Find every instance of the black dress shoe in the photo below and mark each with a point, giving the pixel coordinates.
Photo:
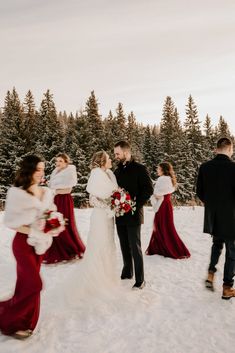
(126, 277)
(139, 285)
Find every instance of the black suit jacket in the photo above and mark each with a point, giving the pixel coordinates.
(216, 189)
(135, 179)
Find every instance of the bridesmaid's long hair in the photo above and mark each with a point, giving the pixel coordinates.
(98, 159)
(168, 170)
(28, 167)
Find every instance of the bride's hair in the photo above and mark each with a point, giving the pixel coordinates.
(98, 160)
(168, 170)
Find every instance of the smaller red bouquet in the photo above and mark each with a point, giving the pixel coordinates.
(121, 203)
(42, 231)
(51, 222)
(54, 220)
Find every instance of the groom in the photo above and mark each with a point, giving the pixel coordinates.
(134, 178)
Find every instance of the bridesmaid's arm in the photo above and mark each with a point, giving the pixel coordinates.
(23, 229)
(157, 197)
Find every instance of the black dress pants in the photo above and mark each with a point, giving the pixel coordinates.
(130, 242)
(229, 265)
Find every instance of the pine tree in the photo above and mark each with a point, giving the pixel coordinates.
(82, 131)
(209, 138)
(134, 136)
(223, 129)
(109, 133)
(194, 139)
(79, 191)
(29, 121)
(77, 155)
(167, 127)
(94, 130)
(12, 142)
(170, 133)
(70, 137)
(155, 151)
(192, 124)
(147, 146)
(120, 124)
(62, 117)
(185, 173)
(49, 131)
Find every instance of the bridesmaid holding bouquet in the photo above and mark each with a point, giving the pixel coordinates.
(26, 204)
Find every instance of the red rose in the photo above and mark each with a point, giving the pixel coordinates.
(128, 197)
(116, 195)
(51, 224)
(126, 207)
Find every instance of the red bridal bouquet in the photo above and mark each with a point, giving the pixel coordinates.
(121, 203)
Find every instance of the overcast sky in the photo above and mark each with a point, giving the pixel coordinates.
(131, 51)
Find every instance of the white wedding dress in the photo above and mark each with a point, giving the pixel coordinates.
(92, 294)
(96, 274)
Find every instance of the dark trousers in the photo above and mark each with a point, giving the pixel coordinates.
(229, 266)
(130, 243)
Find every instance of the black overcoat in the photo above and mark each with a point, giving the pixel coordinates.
(135, 179)
(216, 189)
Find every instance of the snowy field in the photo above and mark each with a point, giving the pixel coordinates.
(172, 314)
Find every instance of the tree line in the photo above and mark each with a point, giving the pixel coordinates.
(25, 130)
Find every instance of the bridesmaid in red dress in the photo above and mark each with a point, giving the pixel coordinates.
(25, 203)
(68, 245)
(165, 240)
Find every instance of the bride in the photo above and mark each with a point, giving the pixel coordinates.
(101, 254)
(96, 273)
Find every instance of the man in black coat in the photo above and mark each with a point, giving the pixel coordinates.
(216, 189)
(134, 178)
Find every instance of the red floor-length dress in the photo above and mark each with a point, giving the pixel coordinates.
(68, 244)
(165, 240)
(21, 312)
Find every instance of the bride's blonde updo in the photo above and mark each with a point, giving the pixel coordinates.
(98, 160)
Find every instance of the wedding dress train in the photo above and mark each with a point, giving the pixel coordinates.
(96, 274)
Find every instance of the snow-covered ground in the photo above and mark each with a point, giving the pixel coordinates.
(174, 313)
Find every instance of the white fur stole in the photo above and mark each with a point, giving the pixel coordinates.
(63, 179)
(101, 183)
(163, 186)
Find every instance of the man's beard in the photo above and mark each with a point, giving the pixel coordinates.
(121, 160)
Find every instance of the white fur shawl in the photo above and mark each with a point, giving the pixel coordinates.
(63, 179)
(23, 208)
(163, 186)
(101, 183)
